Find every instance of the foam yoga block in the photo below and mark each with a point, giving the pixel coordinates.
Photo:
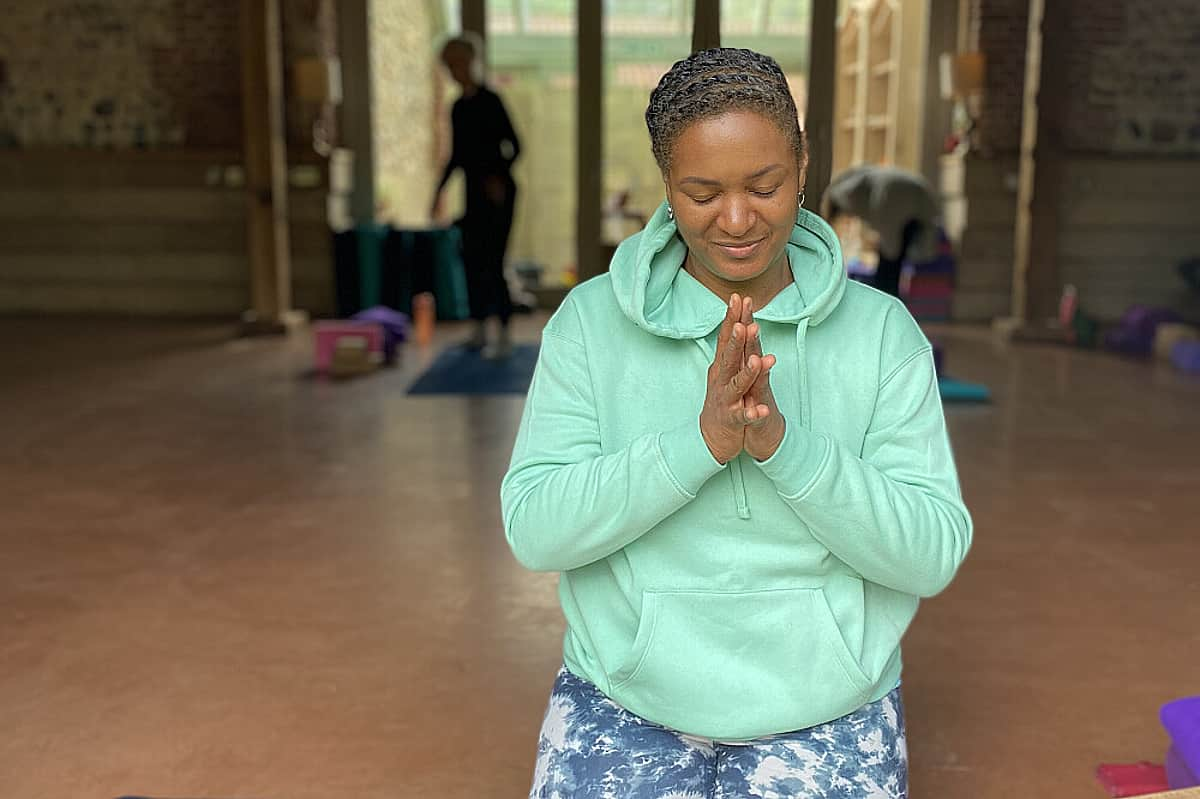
(1131, 779)
(1181, 719)
(1178, 773)
(1186, 356)
(394, 324)
(1134, 335)
(329, 336)
(1168, 334)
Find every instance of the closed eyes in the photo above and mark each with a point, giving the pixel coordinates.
(705, 200)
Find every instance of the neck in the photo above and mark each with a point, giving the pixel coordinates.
(761, 289)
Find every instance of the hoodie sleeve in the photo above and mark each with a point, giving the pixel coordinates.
(894, 514)
(565, 502)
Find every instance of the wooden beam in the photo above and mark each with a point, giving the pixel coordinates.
(822, 82)
(474, 18)
(265, 157)
(589, 126)
(967, 38)
(1036, 281)
(356, 128)
(706, 25)
(941, 37)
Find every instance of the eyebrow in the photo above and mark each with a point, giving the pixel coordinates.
(709, 182)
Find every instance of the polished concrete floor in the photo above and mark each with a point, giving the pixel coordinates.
(223, 578)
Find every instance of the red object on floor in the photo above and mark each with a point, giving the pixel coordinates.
(1132, 779)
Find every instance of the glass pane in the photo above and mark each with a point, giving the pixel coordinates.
(648, 18)
(778, 28)
(531, 51)
(772, 18)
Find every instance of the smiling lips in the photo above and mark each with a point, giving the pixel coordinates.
(740, 251)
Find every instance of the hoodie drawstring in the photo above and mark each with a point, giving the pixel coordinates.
(740, 500)
(802, 371)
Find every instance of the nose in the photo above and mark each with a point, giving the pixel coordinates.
(737, 217)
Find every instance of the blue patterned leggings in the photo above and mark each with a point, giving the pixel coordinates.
(592, 748)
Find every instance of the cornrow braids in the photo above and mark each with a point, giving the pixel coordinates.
(712, 82)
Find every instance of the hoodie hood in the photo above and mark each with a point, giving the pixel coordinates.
(662, 298)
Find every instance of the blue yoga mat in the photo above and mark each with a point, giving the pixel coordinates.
(959, 391)
(459, 370)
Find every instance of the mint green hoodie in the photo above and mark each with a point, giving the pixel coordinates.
(737, 601)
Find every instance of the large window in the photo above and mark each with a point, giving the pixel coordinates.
(531, 56)
(778, 28)
(531, 53)
(642, 40)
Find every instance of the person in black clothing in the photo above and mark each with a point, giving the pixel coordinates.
(899, 205)
(484, 147)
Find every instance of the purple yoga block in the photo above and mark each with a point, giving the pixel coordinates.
(1178, 774)
(1181, 719)
(1134, 335)
(1186, 356)
(395, 326)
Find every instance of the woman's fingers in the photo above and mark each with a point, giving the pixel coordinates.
(755, 413)
(753, 374)
(731, 316)
(733, 357)
(744, 379)
(753, 340)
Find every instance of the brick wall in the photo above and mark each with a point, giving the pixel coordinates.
(85, 74)
(1134, 78)
(131, 74)
(1002, 27)
(1131, 70)
(403, 42)
(197, 69)
(1124, 223)
(120, 134)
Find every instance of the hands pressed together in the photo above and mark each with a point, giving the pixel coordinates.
(739, 409)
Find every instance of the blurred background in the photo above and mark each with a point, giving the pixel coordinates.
(231, 570)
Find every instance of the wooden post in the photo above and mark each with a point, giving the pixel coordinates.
(473, 15)
(356, 117)
(589, 127)
(265, 156)
(706, 25)
(818, 116)
(942, 37)
(1035, 269)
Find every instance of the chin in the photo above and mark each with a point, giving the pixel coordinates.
(739, 271)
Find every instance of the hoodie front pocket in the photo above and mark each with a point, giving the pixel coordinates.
(739, 665)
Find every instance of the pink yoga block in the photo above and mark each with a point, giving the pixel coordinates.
(327, 334)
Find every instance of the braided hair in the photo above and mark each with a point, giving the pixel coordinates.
(712, 82)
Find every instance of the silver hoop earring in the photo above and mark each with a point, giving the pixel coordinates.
(801, 196)
(670, 212)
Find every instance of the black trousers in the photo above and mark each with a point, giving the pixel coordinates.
(485, 230)
(887, 273)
